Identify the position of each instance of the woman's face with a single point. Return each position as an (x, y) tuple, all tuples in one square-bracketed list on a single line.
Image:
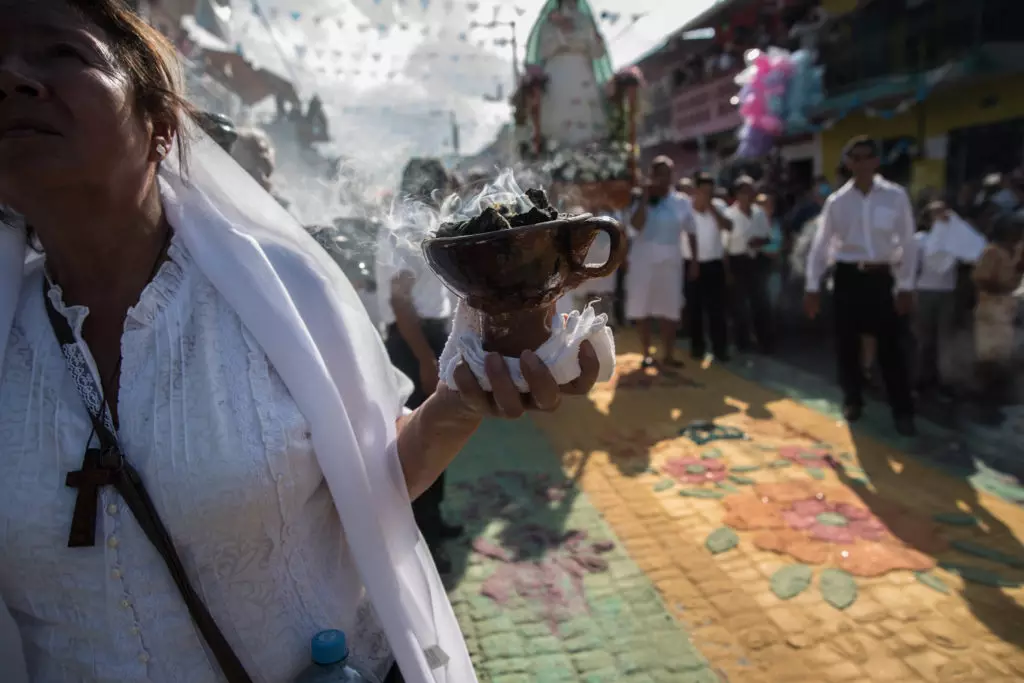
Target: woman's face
[(67, 115)]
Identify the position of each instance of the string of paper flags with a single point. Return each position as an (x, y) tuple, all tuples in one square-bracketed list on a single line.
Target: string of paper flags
[(403, 6)]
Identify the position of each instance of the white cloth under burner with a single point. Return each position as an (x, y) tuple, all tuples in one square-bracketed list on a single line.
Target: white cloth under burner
[(560, 352)]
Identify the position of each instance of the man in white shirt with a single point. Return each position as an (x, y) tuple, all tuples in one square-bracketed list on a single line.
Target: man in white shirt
[(749, 290), (654, 281), (947, 242), (864, 224), (706, 275), (416, 311)]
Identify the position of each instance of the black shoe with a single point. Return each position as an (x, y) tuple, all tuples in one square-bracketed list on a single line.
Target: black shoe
[(852, 412), (905, 426), (441, 560), (450, 531)]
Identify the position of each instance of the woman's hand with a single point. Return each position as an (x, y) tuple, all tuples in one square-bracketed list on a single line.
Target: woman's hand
[(505, 400)]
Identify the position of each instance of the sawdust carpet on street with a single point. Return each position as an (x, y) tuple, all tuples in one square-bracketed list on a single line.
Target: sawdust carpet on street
[(803, 552)]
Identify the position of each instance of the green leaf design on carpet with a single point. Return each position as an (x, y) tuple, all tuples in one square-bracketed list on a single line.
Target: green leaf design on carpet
[(701, 493), (955, 518), (838, 588), (848, 457), (791, 581), (932, 581), (743, 481), (721, 540), (663, 485), (983, 552), (739, 469), (711, 454), (816, 473), (978, 575), (727, 487), (778, 464), (997, 486)]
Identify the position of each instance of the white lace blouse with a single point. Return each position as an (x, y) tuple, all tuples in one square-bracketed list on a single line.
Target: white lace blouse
[(228, 460)]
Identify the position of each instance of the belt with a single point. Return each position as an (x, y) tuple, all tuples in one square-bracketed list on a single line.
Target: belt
[(866, 266)]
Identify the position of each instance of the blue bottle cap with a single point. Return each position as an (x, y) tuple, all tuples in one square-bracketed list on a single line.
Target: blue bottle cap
[(329, 647)]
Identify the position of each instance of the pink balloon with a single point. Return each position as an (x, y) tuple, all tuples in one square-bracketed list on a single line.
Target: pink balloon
[(753, 108), (768, 123)]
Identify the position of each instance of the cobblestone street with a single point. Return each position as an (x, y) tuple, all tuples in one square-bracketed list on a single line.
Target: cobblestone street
[(608, 544)]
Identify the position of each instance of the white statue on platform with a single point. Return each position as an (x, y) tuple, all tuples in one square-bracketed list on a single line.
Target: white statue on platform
[(566, 43)]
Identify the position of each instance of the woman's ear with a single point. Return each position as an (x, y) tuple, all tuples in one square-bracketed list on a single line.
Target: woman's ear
[(160, 142)]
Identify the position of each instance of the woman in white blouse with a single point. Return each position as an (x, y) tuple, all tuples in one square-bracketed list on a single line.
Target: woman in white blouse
[(235, 370)]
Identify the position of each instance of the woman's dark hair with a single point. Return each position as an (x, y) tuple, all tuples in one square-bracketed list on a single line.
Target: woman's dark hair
[(149, 60), (152, 66), (422, 176)]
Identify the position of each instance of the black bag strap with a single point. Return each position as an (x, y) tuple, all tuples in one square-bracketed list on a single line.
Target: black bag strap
[(107, 466)]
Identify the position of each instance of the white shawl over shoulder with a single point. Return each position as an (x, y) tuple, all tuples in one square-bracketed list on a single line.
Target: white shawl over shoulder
[(309, 321)]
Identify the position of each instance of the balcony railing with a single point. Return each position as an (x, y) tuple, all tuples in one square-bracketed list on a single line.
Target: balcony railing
[(887, 39)]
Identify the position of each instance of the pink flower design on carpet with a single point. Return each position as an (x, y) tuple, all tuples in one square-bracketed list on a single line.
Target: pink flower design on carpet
[(817, 524), (805, 457), (696, 470), (833, 522)]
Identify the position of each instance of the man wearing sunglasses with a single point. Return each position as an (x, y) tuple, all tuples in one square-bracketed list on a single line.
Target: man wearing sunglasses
[(867, 225)]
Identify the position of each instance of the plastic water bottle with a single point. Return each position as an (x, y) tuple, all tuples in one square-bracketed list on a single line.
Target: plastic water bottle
[(331, 663)]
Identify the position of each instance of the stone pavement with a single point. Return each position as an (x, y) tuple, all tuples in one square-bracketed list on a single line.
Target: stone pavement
[(609, 545)]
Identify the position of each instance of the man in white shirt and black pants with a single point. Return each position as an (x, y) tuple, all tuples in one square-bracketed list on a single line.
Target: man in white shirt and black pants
[(749, 295), (706, 293), (416, 311), (868, 224)]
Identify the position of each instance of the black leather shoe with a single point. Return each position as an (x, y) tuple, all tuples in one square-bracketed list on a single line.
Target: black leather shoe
[(852, 412)]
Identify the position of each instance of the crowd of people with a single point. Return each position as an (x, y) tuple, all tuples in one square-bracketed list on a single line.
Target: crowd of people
[(791, 27), (951, 269)]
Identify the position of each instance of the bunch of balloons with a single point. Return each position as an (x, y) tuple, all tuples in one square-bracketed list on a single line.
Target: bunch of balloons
[(776, 89)]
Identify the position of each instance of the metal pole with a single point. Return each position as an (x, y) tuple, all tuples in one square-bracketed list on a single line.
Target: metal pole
[(455, 133), (515, 56)]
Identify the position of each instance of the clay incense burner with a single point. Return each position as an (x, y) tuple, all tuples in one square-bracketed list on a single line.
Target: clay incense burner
[(511, 274)]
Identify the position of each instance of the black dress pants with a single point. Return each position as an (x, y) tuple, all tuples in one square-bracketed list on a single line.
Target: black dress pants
[(863, 302), (706, 297), (749, 302), (427, 508)]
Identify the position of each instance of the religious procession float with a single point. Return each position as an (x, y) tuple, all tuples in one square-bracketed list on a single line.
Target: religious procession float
[(576, 119)]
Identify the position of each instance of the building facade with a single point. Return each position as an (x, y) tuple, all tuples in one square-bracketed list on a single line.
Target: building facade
[(692, 114), (940, 83)]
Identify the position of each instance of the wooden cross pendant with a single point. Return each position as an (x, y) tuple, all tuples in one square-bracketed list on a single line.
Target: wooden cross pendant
[(93, 476)]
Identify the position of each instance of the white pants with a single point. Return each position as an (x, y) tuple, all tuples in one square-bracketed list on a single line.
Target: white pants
[(654, 284)]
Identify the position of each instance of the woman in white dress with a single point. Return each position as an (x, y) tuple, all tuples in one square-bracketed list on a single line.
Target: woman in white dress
[(177, 328), (566, 42)]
